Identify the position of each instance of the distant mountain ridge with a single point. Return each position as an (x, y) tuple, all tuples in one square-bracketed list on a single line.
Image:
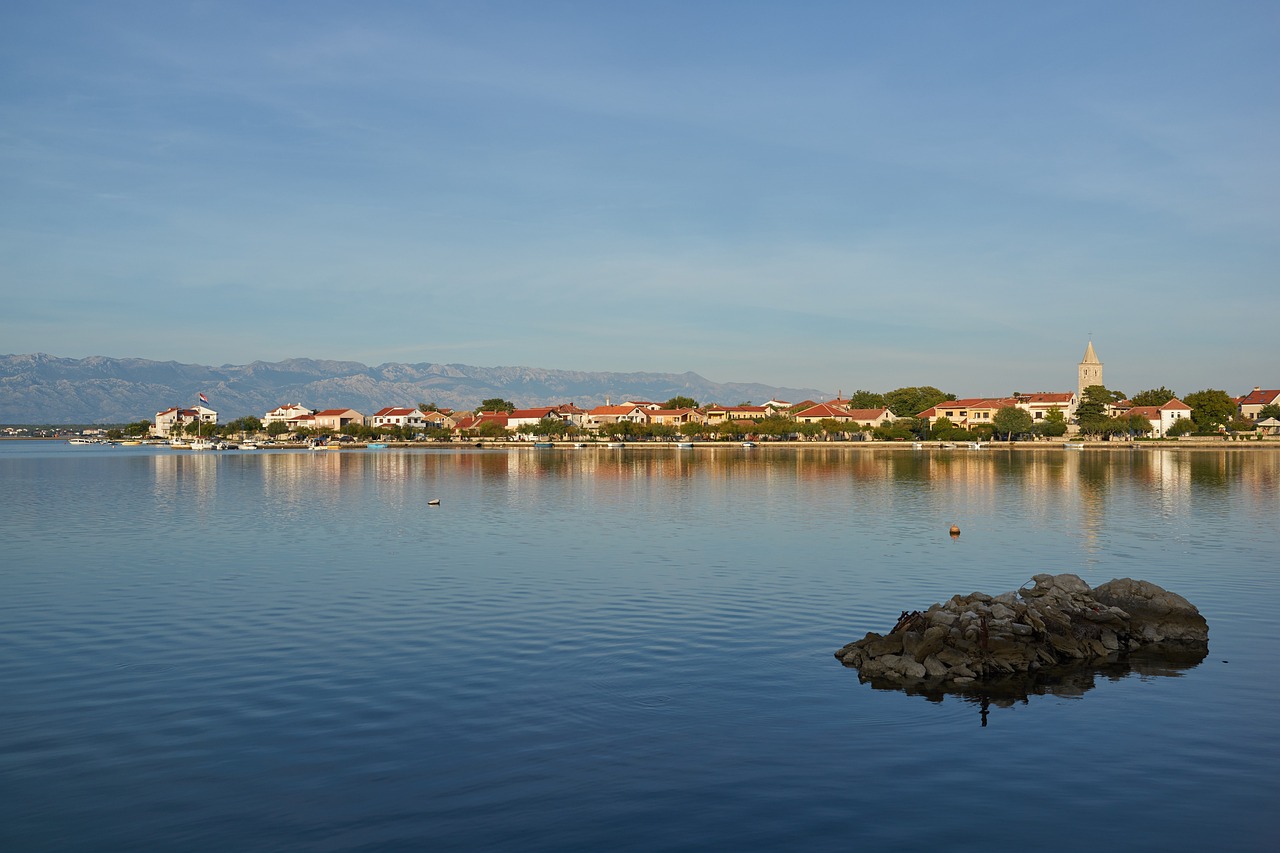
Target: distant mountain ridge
[(40, 388)]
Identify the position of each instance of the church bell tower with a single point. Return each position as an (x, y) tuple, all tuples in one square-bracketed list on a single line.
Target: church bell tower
[(1090, 371)]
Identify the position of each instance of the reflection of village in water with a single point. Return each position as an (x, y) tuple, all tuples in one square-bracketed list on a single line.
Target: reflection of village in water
[(1052, 481)]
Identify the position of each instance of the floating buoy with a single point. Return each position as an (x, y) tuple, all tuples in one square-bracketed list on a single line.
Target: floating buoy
[(433, 502), (955, 531)]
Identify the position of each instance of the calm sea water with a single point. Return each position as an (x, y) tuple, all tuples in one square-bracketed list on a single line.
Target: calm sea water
[(611, 650)]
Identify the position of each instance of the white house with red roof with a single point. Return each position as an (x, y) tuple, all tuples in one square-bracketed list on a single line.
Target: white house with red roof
[(528, 417), (1252, 403), (1040, 404), (1162, 417), (285, 413), (175, 415), (604, 415), (398, 416), (841, 414)]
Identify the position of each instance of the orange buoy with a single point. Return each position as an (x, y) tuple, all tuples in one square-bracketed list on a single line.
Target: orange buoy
[(955, 530)]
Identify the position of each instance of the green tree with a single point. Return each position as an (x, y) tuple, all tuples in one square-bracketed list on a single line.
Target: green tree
[(680, 402), (776, 426), (833, 428), (1239, 423), (1091, 414), (1153, 397), (492, 429), (625, 429), (1271, 410), (549, 426), (870, 400), (496, 404), (1180, 427), (277, 428), (1011, 421), (138, 428), (1211, 409), (942, 429), (427, 407), (1138, 425), (909, 402), (808, 430), (1054, 424), (246, 424)]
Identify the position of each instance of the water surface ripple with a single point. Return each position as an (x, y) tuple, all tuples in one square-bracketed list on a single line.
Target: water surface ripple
[(622, 650)]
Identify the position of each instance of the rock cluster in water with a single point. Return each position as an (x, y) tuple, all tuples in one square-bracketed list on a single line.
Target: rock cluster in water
[(1052, 621)]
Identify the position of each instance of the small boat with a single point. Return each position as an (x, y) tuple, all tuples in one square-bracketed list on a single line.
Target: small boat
[(949, 445), (748, 444), (202, 444), (543, 444), (1073, 445), (130, 443), (684, 445), (579, 444), (376, 445), (976, 445), (615, 444), (247, 445), (917, 445), (81, 441), (433, 502)]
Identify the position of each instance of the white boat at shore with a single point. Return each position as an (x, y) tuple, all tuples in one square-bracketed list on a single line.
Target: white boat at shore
[(1073, 445), (82, 441)]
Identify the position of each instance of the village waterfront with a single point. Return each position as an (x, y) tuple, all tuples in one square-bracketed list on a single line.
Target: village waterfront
[(612, 648)]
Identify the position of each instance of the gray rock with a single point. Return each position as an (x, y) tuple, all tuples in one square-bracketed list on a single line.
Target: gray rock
[(1052, 621)]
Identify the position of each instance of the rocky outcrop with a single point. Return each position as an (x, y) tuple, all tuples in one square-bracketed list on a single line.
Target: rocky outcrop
[(1052, 623)]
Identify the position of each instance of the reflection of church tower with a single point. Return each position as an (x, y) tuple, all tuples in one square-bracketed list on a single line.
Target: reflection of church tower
[(1090, 371)]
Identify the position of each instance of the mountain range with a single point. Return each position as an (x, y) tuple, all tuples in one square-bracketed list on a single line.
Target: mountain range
[(44, 389)]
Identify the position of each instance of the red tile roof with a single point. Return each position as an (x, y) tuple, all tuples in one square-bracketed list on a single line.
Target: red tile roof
[(867, 414), (1258, 397)]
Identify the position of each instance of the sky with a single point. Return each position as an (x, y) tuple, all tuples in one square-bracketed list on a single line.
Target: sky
[(830, 195)]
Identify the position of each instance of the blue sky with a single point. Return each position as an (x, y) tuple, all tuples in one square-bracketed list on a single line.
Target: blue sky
[(832, 195)]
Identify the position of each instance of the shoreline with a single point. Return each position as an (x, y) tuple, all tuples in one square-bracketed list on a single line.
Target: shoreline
[(1199, 444)]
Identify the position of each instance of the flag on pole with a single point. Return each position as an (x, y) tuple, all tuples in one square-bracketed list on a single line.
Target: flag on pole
[(203, 398)]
